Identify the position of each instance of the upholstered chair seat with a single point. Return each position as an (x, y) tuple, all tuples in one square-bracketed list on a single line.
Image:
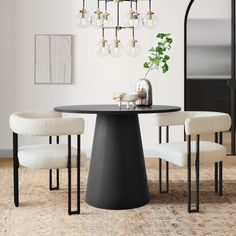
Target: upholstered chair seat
[(49, 156), (176, 153)]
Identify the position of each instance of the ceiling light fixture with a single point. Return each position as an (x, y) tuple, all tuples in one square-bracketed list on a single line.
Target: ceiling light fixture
[(102, 19)]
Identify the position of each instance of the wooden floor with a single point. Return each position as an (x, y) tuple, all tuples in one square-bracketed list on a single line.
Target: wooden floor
[(42, 212)]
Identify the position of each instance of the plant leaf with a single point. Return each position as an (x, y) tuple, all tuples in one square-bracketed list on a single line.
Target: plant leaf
[(155, 60), (165, 68), (146, 65), (166, 58), (160, 50), (169, 40), (161, 35), (158, 54), (151, 49)]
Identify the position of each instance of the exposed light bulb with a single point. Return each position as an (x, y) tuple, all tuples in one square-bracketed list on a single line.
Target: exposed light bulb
[(102, 48), (137, 20), (116, 48), (83, 19), (150, 20), (97, 19), (133, 49)]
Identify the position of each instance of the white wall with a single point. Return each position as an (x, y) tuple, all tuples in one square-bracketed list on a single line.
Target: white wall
[(211, 9), (95, 78)]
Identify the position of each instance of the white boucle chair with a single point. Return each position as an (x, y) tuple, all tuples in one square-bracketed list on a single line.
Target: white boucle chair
[(193, 152), (47, 156)]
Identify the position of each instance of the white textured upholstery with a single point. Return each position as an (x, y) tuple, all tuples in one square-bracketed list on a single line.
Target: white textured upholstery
[(176, 153), (196, 122), (48, 156), (207, 123), (171, 118), (45, 124)]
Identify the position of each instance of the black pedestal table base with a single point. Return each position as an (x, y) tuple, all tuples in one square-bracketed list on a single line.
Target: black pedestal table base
[(117, 174)]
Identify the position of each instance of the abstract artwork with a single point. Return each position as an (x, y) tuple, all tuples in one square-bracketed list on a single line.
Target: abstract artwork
[(53, 59)]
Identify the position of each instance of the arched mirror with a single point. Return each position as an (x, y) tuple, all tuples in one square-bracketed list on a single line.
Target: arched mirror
[(210, 59)]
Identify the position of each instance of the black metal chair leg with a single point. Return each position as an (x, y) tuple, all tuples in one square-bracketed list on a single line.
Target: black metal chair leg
[(78, 174), (160, 162), (220, 178), (216, 177), (15, 169), (197, 168), (70, 212), (197, 172), (219, 168), (160, 177), (51, 188), (167, 177)]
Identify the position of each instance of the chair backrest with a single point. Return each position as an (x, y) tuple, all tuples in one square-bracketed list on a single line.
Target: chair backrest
[(196, 122), (45, 124)]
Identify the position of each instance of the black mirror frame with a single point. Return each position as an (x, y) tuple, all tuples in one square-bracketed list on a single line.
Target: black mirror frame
[(233, 64)]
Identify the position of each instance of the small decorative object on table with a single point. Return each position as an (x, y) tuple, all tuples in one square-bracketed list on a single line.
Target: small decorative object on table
[(158, 58), (128, 98)]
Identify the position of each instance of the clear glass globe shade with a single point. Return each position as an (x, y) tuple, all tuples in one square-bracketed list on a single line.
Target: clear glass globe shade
[(107, 21), (102, 49), (150, 22), (133, 50), (82, 20), (97, 21), (116, 51), (126, 19), (136, 22), (133, 21)]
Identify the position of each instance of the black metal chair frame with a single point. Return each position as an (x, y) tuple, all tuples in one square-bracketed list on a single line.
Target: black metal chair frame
[(218, 170), (16, 173), (51, 188)]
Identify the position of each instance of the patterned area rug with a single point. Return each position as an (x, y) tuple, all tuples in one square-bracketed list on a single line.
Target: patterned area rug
[(42, 212)]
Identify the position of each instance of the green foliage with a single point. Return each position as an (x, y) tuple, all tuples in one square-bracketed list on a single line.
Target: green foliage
[(158, 55)]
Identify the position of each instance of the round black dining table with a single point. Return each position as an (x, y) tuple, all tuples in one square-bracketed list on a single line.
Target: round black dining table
[(117, 174)]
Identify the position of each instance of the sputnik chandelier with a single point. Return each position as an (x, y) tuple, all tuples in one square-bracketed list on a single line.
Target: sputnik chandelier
[(102, 19)]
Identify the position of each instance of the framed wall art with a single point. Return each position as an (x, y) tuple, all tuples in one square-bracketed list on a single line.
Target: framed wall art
[(53, 59)]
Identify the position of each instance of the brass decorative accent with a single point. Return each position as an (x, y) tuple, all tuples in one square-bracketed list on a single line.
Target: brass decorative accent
[(98, 13)]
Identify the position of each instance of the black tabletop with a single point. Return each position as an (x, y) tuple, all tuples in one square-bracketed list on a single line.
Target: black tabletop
[(115, 109)]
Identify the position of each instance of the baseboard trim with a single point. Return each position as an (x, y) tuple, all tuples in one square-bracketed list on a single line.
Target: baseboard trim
[(5, 153)]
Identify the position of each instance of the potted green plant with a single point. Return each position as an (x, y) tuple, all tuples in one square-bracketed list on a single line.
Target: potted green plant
[(157, 59)]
